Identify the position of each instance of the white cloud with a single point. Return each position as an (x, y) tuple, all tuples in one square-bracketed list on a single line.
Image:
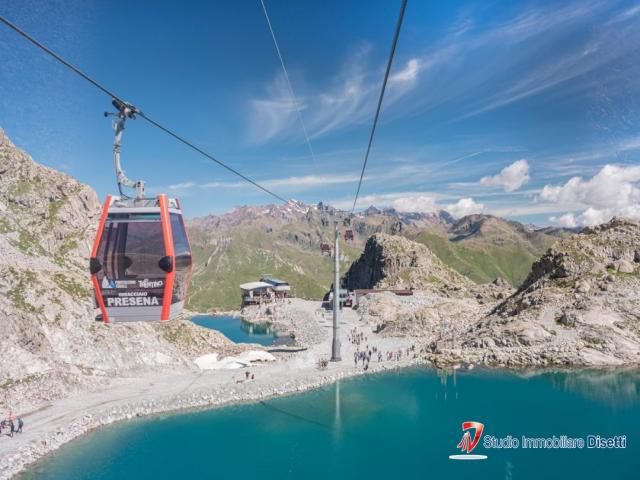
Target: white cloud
[(612, 191), (182, 186), (463, 207), (407, 201), (415, 202), (511, 177), (418, 204), (408, 73), (567, 220)]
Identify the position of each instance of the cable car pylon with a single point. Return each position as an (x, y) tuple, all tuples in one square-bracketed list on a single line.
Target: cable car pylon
[(335, 343)]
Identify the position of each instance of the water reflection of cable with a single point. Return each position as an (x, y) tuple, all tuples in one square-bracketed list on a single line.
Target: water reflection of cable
[(293, 415)]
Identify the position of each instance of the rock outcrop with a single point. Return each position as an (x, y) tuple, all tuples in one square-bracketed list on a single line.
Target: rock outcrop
[(580, 306), (390, 261), (51, 345), (443, 301)]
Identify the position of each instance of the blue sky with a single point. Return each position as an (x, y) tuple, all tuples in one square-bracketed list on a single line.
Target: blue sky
[(529, 110)]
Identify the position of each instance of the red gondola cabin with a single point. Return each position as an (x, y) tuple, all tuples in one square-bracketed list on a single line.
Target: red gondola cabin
[(141, 261), (325, 249)]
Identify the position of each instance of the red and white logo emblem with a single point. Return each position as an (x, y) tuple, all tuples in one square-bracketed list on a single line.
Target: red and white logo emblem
[(468, 443)]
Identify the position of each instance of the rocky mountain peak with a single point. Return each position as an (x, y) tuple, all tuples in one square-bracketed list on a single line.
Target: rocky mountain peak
[(613, 246), (579, 305), (391, 261), (371, 210), (42, 210)]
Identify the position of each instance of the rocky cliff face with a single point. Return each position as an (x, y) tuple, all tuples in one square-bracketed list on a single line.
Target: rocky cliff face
[(396, 262), (51, 344), (579, 305), (443, 301)]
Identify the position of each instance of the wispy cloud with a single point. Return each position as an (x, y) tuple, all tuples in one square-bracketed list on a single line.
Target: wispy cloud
[(182, 186), (285, 184), (349, 99), (625, 15), (553, 48)]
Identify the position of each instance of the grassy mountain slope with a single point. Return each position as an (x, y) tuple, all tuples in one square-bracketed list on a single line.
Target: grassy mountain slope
[(227, 255), (483, 247)]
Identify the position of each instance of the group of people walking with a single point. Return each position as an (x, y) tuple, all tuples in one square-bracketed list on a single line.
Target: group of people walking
[(364, 356), (11, 425)]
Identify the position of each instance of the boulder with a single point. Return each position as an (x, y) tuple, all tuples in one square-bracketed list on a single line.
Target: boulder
[(583, 286), (569, 319), (624, 266)]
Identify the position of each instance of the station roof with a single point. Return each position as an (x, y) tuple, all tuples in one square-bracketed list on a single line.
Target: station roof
[(273, 280), (255, 285)]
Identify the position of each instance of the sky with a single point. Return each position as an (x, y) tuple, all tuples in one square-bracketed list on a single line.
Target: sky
[(526, 110)]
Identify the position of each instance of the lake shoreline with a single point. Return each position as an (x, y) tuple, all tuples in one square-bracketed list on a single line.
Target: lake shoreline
[(149, 392), (181, 390), (89, 421)]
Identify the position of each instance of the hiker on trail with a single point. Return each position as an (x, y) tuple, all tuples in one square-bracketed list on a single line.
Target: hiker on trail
[(12, 426), (246, 374), (20, 424)]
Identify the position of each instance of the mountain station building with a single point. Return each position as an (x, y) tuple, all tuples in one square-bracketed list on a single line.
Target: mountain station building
[(281, 288), (257, 293), (269, 289)]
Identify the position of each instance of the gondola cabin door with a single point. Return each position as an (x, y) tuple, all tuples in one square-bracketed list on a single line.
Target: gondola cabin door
[(141, 261)]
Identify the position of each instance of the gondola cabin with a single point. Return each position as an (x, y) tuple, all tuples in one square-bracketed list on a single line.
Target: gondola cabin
[(325, 249), (141, 261), (348, 235)]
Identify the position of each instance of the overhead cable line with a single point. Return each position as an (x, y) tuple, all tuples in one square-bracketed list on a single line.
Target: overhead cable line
[(138, 112), (288, 80), (380, 98)]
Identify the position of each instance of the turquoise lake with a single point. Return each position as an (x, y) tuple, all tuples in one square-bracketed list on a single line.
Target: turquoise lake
[(239, 331), (401, 425)]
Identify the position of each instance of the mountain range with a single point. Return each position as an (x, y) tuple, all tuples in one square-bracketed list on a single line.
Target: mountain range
[(285, 241)]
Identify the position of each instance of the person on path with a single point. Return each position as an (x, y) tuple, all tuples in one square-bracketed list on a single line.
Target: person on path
[(20, 424)]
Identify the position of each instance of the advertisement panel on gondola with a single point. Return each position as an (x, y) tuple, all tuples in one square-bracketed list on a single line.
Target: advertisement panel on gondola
[(132, 293)]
